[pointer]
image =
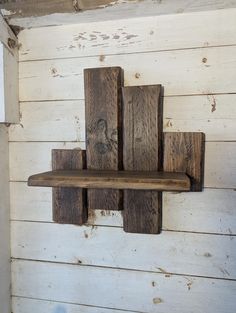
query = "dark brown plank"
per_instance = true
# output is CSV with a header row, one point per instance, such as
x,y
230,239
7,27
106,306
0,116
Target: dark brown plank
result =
x,y
69,204
113,179
184,152
142,136
103,130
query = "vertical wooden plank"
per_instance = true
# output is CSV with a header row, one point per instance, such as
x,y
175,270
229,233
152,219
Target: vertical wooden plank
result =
x,y
5,254
103,130
142,136
184,152
69,204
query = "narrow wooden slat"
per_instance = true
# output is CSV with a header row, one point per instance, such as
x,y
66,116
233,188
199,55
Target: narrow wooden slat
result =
x,y
184,152
69,204
142,137
112,180
103,130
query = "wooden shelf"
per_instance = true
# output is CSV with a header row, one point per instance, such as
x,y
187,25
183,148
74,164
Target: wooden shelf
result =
x,y
160,181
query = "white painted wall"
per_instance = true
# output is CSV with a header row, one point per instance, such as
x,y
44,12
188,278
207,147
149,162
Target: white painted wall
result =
x,y
5,275
190,267
9,104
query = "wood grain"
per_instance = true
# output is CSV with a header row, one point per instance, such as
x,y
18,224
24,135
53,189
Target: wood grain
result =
x,y
142,138
128,36
103,130
69,204
112,180
184,152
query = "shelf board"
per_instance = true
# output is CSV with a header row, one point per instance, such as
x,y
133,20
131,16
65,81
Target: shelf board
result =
x,y
161,181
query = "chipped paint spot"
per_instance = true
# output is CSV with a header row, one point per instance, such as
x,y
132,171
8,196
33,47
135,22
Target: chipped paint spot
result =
x,y
130,36
157,300
91,216
153,283
169,123
189,283
85,234
101,58
207,255
212,100
162,270
204,60
224,271
137,75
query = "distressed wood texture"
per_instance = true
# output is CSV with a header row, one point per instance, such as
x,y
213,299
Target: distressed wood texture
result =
x,y
153,33
5,253
36,8
142,292
103,130
185,152
8,38
142,151
214,115
210,211
29,158
134,180
115,10
201,72
104,246
69,204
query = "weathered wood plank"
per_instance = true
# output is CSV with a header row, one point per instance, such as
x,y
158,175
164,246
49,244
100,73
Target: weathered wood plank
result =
x,y
164,253
65,120
22,305
211,211
125,10
69,204
133,180
8,38
35,8
142,151
153,33
103,130
29,158
77,284
201,72
9,105
185,152
5,268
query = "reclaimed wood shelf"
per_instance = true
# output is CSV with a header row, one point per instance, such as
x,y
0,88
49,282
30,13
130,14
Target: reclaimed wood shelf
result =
x,y
135,180
128,161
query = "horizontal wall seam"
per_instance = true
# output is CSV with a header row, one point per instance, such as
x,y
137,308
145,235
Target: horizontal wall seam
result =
x,y
127,53
79,304
121,269
113,226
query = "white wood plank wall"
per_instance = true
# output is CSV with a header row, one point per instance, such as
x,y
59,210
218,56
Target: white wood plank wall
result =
x,y
191,266
5,255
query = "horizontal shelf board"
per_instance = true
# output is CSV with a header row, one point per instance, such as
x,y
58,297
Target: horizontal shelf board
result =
x,y
162,181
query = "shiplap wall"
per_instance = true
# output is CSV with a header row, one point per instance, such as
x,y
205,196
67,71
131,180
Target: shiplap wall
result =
x,y
5,255
191,266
